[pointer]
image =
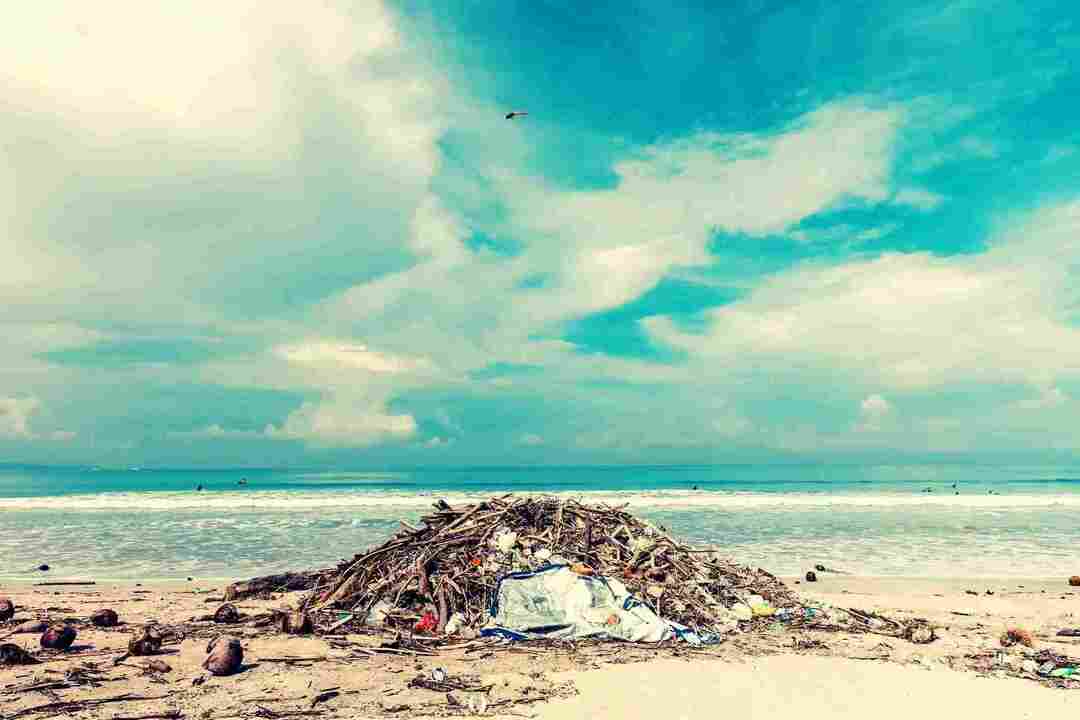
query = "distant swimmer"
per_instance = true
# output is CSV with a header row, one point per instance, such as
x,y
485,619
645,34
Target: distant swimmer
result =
x,y
695,487
198,488
516,114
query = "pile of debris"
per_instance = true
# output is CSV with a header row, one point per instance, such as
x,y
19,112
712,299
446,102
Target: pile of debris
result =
x,y
445,577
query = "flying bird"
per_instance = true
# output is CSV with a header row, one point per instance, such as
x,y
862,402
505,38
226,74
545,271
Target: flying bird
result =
x,y
515,113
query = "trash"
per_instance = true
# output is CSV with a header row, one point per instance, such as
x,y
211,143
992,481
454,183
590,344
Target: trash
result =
x,y
454,624
7,609
506,541
427,623
1029,666
438,674
456,554
104,618
1047,667
1017,636
11,654
225,655
811,576
1065,672
759,607
227,614
558,603
1069,632
920,633
58,637
147,641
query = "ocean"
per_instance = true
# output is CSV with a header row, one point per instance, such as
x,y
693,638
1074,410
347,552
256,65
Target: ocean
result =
x,y
911,520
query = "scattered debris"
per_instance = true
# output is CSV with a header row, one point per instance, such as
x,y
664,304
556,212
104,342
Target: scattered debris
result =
x,y
225,655
147,641
105,618
287,582
449,566
58,637
1017,636
811,576
920,633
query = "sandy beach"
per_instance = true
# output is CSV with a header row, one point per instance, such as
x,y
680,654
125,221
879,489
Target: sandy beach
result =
x,y
774,671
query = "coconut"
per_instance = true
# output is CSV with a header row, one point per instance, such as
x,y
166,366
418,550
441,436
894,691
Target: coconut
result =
x,y
30,626
58,637
1074,581
293,622
14,655
146,641
7,609
104,618
224,656
227,614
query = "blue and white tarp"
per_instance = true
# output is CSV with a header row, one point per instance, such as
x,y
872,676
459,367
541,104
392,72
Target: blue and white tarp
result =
x,y
556,602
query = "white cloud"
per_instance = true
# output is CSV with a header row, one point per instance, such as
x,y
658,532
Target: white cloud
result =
x,y
15,414
914,320
919,198
873,411
343,423
344,356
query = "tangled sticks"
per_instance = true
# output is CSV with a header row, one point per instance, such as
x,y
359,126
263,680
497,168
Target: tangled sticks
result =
x,y
448,567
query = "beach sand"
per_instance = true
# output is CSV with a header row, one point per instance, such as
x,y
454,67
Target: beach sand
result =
x,y
776,673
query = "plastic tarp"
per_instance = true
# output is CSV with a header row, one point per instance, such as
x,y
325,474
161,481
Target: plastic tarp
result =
x,y
556,602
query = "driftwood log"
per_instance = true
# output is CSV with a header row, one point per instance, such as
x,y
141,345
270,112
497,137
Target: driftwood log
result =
x,y
285,582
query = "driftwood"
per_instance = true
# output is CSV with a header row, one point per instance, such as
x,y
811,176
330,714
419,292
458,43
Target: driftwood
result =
x,y
285,582
449,566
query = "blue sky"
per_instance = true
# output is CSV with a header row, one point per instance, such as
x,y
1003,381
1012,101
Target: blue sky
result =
x,y
269,234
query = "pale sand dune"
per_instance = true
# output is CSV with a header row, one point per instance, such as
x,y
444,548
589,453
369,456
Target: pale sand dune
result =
x,y
809,688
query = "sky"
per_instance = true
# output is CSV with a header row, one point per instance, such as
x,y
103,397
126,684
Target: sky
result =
x,y
303,234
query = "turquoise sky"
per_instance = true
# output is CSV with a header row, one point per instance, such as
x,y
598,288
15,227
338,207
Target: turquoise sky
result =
x,y
303,234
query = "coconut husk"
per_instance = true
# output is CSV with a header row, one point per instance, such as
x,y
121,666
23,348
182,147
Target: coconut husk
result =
x,y
293,622
227,614
11,654
105,617
146,641
225,655
58,637
7,609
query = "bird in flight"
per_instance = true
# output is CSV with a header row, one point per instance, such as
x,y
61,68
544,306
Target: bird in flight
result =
x,y
515,113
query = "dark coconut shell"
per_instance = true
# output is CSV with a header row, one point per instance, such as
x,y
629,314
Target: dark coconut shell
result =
x,y
31,626
7,609
1074,581
58,637
294,622
146,641
14,655
105,618
225,655
227,614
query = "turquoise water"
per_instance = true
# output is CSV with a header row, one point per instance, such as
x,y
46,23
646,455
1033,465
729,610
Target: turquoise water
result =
x,y
880,520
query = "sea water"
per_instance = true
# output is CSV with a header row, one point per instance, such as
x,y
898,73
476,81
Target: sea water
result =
x,y
931,521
